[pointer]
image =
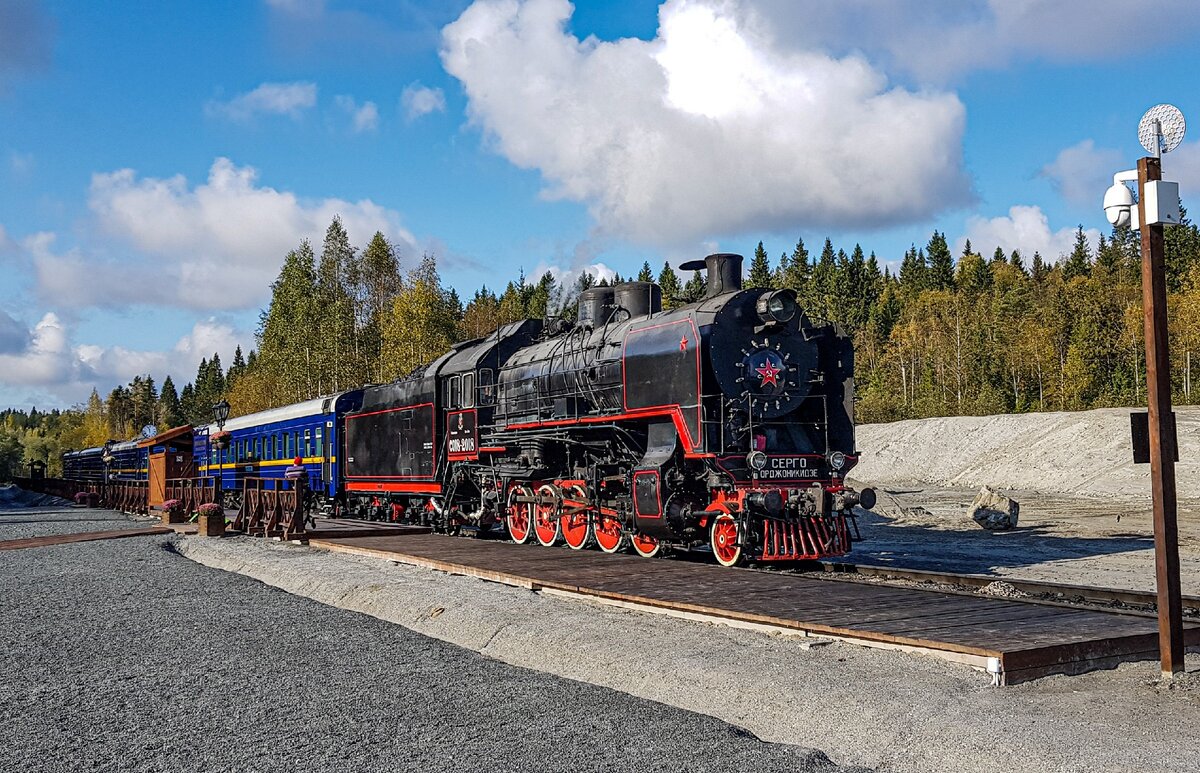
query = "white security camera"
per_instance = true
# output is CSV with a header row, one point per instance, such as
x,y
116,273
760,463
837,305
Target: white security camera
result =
x,y
1118,203
1118,200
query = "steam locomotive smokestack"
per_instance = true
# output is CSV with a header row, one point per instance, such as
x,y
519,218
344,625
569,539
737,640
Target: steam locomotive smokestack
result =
x,y
724,273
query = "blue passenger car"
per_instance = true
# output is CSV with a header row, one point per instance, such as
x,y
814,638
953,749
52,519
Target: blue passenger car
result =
x,y
126,462
264,444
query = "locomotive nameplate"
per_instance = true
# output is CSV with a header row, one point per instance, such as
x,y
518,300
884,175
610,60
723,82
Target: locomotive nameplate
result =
x,y
462,437
783,468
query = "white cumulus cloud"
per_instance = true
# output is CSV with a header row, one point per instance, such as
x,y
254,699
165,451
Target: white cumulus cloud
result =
x,y
707,129
290,99
1082,172
215,245
942,40
48,360
418,100
364,117
1024,228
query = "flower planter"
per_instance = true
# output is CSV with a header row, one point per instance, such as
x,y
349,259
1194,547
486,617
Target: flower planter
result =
x,y
172,512
211,520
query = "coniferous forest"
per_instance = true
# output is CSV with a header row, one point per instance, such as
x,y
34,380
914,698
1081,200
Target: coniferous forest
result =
x,y
980,332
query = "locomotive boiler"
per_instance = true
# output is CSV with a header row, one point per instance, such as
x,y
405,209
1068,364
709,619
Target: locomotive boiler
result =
x,y
725,425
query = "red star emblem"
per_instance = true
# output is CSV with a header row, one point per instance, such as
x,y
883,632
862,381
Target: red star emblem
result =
x,y
769,373
683,342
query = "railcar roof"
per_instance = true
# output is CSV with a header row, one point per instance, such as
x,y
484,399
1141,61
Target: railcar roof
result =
x,y
313,407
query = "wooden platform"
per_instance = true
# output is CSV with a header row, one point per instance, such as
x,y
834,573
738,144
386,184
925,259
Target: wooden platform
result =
x,y
1014,640
332,528
84,536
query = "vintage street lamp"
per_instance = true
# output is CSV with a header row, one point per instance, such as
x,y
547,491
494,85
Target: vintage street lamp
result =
x,y
221,415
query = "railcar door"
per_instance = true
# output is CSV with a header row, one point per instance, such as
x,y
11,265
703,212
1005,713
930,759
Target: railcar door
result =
x,y
325,444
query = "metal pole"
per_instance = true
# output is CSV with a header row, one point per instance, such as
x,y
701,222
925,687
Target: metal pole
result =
x,y
1162,435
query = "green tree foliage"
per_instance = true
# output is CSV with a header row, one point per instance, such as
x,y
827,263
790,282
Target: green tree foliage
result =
x,y
760,269
695,288
1079,262
672,290
941,263
934,337
423,322
646,274
170,412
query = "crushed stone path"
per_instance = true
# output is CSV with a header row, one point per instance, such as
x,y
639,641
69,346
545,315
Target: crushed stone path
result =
x,y
124,655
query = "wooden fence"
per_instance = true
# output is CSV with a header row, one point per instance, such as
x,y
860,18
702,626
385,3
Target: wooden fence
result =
x,y
271,507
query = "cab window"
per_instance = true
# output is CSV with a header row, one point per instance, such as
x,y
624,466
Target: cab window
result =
x,y
468,390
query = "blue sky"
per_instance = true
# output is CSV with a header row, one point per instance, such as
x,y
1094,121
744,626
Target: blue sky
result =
x,y
158,160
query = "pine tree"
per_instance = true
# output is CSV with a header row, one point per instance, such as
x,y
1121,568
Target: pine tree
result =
x,y
672,291
695,288
796,271
914,271
144,400
998,256
1039,269
760,269
380,284
236,369
541,300
338,356
823,298
288,330
646,274
1079,262
187,404
1016,262
941,263
170,412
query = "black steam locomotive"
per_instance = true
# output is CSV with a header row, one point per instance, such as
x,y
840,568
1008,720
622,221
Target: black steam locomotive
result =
x,y
725,423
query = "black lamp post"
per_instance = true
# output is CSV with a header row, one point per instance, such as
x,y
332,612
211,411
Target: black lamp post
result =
x,y
221,415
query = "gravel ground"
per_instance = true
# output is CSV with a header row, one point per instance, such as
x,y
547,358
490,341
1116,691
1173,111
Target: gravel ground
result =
x,y
1059,538
124,656
878,708
47,521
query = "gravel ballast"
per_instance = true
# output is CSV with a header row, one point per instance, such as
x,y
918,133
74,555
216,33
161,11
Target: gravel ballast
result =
x,y
123,655
879,708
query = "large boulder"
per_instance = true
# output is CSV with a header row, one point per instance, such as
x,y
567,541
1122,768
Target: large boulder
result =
x,y
994,511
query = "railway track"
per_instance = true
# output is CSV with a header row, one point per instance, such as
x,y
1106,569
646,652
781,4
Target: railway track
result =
x,y
1034,591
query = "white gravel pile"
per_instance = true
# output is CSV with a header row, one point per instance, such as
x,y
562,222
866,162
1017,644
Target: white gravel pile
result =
x,y
1086,453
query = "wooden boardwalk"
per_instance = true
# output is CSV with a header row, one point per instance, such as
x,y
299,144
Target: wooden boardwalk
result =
x,y
83,536
1015,640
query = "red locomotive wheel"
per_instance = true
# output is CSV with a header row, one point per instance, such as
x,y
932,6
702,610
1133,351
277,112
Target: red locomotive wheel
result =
x,y
608,534
645,546
574,523
519,515
547,526
724,538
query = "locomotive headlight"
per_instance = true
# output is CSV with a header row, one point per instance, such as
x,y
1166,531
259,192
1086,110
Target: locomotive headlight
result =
x,y
776,306
757,460
837,460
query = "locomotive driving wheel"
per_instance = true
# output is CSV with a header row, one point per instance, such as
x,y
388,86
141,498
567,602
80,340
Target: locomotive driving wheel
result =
x,y
520,514
575,521
645,545
608,533
547,527
725,537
